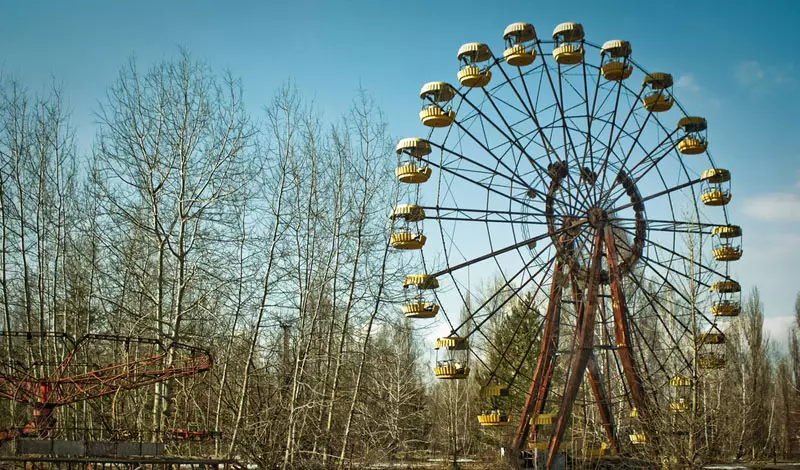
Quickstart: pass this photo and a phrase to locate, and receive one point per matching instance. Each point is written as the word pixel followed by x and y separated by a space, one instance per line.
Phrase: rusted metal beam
pixel 622 332
pixel 603 405
pixel 596 381
pixel 544 365
pixel 583 350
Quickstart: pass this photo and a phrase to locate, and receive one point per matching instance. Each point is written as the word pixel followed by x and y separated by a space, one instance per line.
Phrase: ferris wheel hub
pixel 597 217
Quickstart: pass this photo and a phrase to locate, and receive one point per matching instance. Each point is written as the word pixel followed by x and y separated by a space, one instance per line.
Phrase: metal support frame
pixel 537 394
pixel 622 331
pixel 584 336
pixel 596 382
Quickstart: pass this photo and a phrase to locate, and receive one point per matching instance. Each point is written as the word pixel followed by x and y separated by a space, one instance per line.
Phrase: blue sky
pixel 736 65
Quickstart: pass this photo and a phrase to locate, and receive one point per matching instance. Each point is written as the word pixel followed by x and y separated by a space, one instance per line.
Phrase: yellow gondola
pixel 493 418
pixel 726 308
pixel 435 98
pixel 681 393
pixel 417 305
pixel 409 236
pixel 727 242
pixel 638 438
pixel 495 391
pixel 519 38
pixel 693 140
pixel 597 452
pixel 474 58
pixel 660 97
pixel 726 287
pixel 616 63
pixel 454 364
pixel 409 152
pixel 568 39
pixel 715 190
pixel 712 353
pixel 407 241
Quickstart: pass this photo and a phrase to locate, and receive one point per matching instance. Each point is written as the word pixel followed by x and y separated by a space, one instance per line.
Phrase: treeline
pixel 263 239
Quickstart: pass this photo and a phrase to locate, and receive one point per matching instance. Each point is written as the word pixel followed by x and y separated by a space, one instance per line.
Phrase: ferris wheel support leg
pixel 600 395
pixel 540 384
pixel 596 381
pixel 622 331
pixel 583 350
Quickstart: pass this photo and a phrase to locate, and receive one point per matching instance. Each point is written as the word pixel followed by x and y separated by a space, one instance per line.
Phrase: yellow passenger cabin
pixel 658 97
pixel 568 38
pixel 436 110
pixel 727 242
pixel 404 240
pixel 475 59
pixel 408 236
pixel 716 187
pixel 692 138
pixel 418 302
pixel 409 168
pixel 726 287
pixel 615 60
pixel 726 308
pixel 452 354
pixel 493 418
pixel 638 438
pixel 520 41
pixel 498 390
pixel 681 393
pixel 711 350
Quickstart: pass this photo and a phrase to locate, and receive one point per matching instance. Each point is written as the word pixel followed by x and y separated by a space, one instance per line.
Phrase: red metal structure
pixel 48 370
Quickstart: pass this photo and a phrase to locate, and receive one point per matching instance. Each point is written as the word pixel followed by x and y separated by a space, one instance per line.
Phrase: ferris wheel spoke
pixel 514 177
pixel 483 118
pixel 655 304
pixel 567 136
pixel 481 215
pixel 546 144
pixel 460 175
pixel 680 226
pixel 612 141
pixel 608 193
pixel 658 194
pixel 648 261
pixel 688 260
pixel 505 249
pixel 677 291
pixel 500 290
pixel 589 113
pixel 669 267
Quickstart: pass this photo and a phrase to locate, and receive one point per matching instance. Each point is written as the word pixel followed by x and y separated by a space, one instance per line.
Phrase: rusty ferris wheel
pixel 575 174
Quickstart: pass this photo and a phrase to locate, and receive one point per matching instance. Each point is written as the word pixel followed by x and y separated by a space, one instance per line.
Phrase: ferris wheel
pixel 578 178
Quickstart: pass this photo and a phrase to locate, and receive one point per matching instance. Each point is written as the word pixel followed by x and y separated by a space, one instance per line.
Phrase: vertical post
pixel 534 402
pixel 583 351
pixel 622 333
pixel 595 378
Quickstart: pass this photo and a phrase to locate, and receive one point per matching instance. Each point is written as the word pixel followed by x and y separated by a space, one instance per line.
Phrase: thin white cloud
pixel 749 73
pixel 688 83
pixel 773 207
pixel 754 75
pixel 778 328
